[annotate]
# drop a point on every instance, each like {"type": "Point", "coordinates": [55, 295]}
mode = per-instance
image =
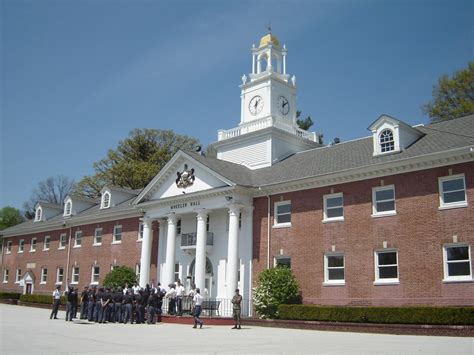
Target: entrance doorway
{"type": "Point", "coordinates": [207, 292]}
{"type": "Point", "coordinates": [29, 288]}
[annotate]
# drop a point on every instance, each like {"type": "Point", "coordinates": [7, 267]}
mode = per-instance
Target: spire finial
{"type": "Point", "coordinates": [269, 27]}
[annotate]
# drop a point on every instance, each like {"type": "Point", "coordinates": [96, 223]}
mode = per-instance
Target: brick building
{"type": "Point", "coordinates": [382, 220]}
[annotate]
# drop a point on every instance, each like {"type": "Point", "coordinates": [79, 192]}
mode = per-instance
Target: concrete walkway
{"type": "Point", "coordinates": [27, 330]}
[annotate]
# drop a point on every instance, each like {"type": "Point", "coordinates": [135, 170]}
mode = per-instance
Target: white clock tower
{"type": "Point", "coordinates": [267, 131]}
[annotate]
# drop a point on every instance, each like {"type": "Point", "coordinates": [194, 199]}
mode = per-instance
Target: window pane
{"type": "Point", "coordinates": [386, 206]}
{"type": "Point", "coordinates": [284, 209]}
{"type": "Point", "coordinates": [388, 272]}
{"type": "Point", "coordinates": [334, 202]}
{"type": "Point", "coordinates": [283, 262]}
{"type": "Point", "coordinates": [459, 269]}
{"type": "Point", "coordinates": [384, 195]}
{"type": "Point", "coordinates": [387, 258]}
{"type": "Point", "coordinates": [334, 212]}
{"type": "Point", "coordinates": [457, 196]}
{"type": "Point", "coordinates": [284, 219]}
{"type": "Point", "coordinates": [336, 274]}
{"type": "Point", "coordinates": [451, 185]}
{"type": "Point", "coordinates": [457, 253]}
{"type": "Point", "coordinates": [335, 261]}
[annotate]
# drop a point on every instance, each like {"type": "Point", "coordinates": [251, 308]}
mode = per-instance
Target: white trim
{"type": "Point", "coordinates": [94, 242]}
{"type": "Point", "coordinates": [276, 215]}
{"type": "Point", "coordinates": [33, 244]}
{"type": "Point", "coordinates": [67, 212]}
{"type": "Point", "coordinates": [103, 204]}
{"type": "Point", "coordinates": [9, 247]}
{"type": "Point", "coordinates": [57, 275]}
{"type": "Point", "coordinates": [375, 212]}
{"type": "Point", "coordinates": [22, 243]}
{"type": "Point", "coordinates": [325, 208]}
{"type": "Point", "coordinates": [465, 278]}
{"type": "Point", "coordinates": [327, 281]}
{"type": "Point", "coordinates": [72, 275]}
{"type": "Point", "coordinates": [6, 275]}
{"type": "Point", "coordinates": [140, 231]}
{"type": "Point", "coordinates": [38, 214]}
{"type": "Point", "coordinates": [385, 281]}
{"type": "Point", "coordinates": [448, 205]}
{"type": "Point", "coordinates": [17, 275]}
{"type": "Point", "coordinates": [77, 245]}
{"type": "Point", "coordinates": [114, 234]}
{"type": "Point", "coordinates": [93, 274]}
{"type": "Point", "coordinates": [43, 274]}
{"type": "Point", "coordinates": [44, 242]}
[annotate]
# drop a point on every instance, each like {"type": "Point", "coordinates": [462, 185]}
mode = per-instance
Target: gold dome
{"type": "Point", "coordinates": [269, 38]}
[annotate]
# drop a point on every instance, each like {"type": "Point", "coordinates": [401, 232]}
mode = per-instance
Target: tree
{"type": "Point", "coordinates": [52, 190]}
{"type": "Point", "coordinates": [136, 160]}
{"type": "Point", "coordinates": [9, 217]}
{"type": "Point", "coordinates": [452, 97]}
{"type": "Point", "coordinates": [305, 123]}
{"type": "Point", "coordinates": [120, 276]}
{"type": "Point", "coordinates": [274, 287]}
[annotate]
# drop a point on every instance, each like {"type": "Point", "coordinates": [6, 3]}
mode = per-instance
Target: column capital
{"type": "Point", "coordinates": [201, 214]}
{"type": "Point", "coordinates": [234, 209]}
{"type": "Point", "coordinates": [171, 218]}
{"type": "Point", "coordinates": [146, 220]}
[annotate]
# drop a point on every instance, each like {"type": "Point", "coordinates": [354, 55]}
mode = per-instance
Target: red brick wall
{"type": "Point", "coordinates": [418, 231]}
{"type": "Point", "coordinates": [127, 253]}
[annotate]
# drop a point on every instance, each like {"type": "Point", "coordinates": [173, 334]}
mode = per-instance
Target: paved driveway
{"type": "Point", "coordinates": [25, 330]}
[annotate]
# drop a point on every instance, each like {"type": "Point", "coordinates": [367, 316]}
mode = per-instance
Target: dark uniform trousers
{"type": "Point", "coordinates": [90, 311]}
{"type": "Point", "coordinates": [69, 310]}
{"type": "Point", "coordinates": [127, 314]}
{"type": "Point", "coordinates": [56, 304]}
{"type": "Point", "coordinates": [97, 308]}
{"type": "Point", "coordinates": [118, 312]}
{"type": "Point", "coordinates": [151, 315]}
{"type": "Point", "coordinates": [84, 306]}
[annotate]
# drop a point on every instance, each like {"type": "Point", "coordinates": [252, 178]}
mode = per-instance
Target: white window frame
{"type": "Point", "coordinates": [376, 213]}
{"type": "Point", "coordinates": [457, 204]}
{"type": "Point", "coordinates": [17, 275]}
{"type": "Point", "coordinates": [68, 208]}
{"type": "Point", "coordinates": [95, 277]}
{"type": "Point", "coordinates": [95, 243]}
{"type": "Point", "coordinates": [327, 281]}
{"type": "Point", "coordinates": [38, 214]}
{"type": "Point", "coordinates": [33, 245]}
{"type": "Point", "coordinates": [21, 243]}
{"type": "Point", "coordinates": [104, 204]}
{"type": "Point", "coordinates": [76, 244]}
{"type": "Point", "coordinates": [61, 236]}
{"type": "Point", "coordinates": [137, 270]}
{"type": "Point", "coordinates": [386, 281]}
{"type": "Point", "coordinates": [387, 142]}
{"type": "Point", "coordinates": [6, 274]}
{"type": "Point", "coordinates": [179, 226]}
{"type": "Point", "coordinates": [114, 235]}
{"type": "Point", "coordinates": [44, 275]}
{"type": "Point", "coordinates": [58, 275]}
{"type": "Point", "coordinates": [325, 210]}
{"type": "Point", "coordinates": [9, 247]}
{"type": "Point", "coordinates": [461, 278]}
{"type": "Point", "coordinates": [46, 242]}
{"type": "Point", "coordinates": [73, 275]}
{"type": "Point", "coordinates": [276, 215]}
{"type": "Point", "coordinates": [141, 227]}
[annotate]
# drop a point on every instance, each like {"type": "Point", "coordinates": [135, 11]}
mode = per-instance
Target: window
{"type": "Point", "coordinates": [333, 207]}
{"type": "Point", "coordinates": [33, 244]}
{"type": "Point", "coordinates": [106, 200]}
{"type": "Point", "coordinates": [176, 272]}
{"type": "Point", "coordinates": [457, 262]}
{"type": "Point", "coordinates": [383, 201]}
{"type": "Point", "coordinates": [387, 143]}
{"type": "Point", "coordinates": [137, 270]}
{"type": "Point", "coordinates": [59, 275]}
{"type": "Point", "coordinates": [9, 247]}
{"type": "Point", "coordinates": [452, 191]}
{"type": "Point", "coordinates": [44, 275]}
{"type": "Point", "coordinates": [113, 267]}
{"type": "Point", "coordinates": [334, 269]}
{"type": "Point", "coordinates": [18, 276]}
{"type": "Point", "coordinates": [141, 225]}
{"type": "Point", "coordinates": [95, 275]}
{"type": "Point", "coordinates": [386, 266]}
{"type": "Point", "coordinates": [208, 219]}
{"type": "Point", "coordinates": [98, 236]}
{"type": "Point", "coordinates": [78, 239]}
{"type": "Point", "coordinates": [282, 214]}
{"type": "Point", "coordinates": [62, 241]}
{"type": "Point", "coordinates": [47, 239]}
{"type": "Point", "coordinates": [5, 275]}
{"type": "Point", "coordinates": [117, 238]}
{"type": "Point", "coordinates": [21, 245]}
{"type": "Point", "coordinates": [68, 208]}
{"type": "Point", "coordinates": [178, 226]}
{"type": "Point", "coordinates": [75, 275]}
{"type": "Point", "coordinates": [240, 220]}
{"type": "Point", "coordinates": [38, 214]}
{"type": "Point", "coordinates": [283, 261]}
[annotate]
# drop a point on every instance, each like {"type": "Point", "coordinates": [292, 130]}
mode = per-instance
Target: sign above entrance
{"type": "Point", "coordinates": [185, 178]}
{"type": "Point", "coordinates": [185, 204]}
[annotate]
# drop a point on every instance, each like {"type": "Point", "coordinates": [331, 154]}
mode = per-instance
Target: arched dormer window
{"type": "Point", "coordinates": [387, 143]}
{"type": "Point", "coordinates": [106, 200]}
{"type": "Point", "coordinates": [39, 214]}
{"type": "Point", "coordinates": [68, 208]}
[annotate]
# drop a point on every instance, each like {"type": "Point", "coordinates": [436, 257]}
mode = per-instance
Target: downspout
{"type": "Point", "coordinates": [268, 232]}
{"type": "Point", "coordinates": [67, 261]}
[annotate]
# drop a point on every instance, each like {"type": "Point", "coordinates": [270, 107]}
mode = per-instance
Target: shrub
{"type": "Point", "coordinates": [44, 299]}
{"type": "Point", "coordinates": [274, 287]}
{"type": "Point", "coordinates": [120, 276]}
{"type": "Point", "coordinates": [10, 295]}
{"type": "Point", "coordinates": [388, 315]}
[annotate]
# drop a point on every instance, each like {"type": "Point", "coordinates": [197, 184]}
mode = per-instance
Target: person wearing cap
{"type": "Point", "coordinates": [70, 295]}
{"type": "Point", "coordinates": [84, 302]}
{"type": "Point", "coordinates": [236, 301]}
{"type": "Point", "coordinates": [197, 300]}
{"type": "Point", "coordinates": [56, 302]}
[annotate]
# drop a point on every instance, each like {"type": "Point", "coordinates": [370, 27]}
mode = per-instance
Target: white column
{"type": "Point", "coordinates": [145, 257]}
{"type": "Point", "coordinates": [159, 253]}
{"type": "Point", "coordinates": [200, 265]}
{"type": "Point", "coordinates": [253, 63]}
{"type": "Point", "coordinates": [259, 64]}
{"type": "Point", "coordinates": [170, 251]}
{"type": "Point", "coordinates": [269, 62]}
{"type": "Point", "coordinates": [284, 63]}
{"type": "Point", "coordinates": [233, 250]}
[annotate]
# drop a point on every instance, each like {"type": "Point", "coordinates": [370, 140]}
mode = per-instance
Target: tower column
{"type": "Point", "coordinates": [253, 63]}
{"type": "Point", "coordinates": [145, 256]}
{"type": "Point", "coordinates": [170, 251]}
{"type": "Point", "coordinates": [200, 265]}
{"type": "Point", "coordinates": [284, 63]}
{"type": "Point", "coordinates": [233, 251]}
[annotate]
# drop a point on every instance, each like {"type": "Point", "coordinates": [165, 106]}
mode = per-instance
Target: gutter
{"type": "Point", "coordinates": [67, 261]}
{"type": "Point", "coordinates": [268, 227]}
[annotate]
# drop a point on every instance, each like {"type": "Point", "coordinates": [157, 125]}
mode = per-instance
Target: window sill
{"type": "Point", "coordinates": [331, 220]}
{"type": "Point", "coordinates": [77, 246]}
{"type": "Point", "coordinates": [74, 283]}
{"type": "Point", "coordinates": [17, 282]}
{"type": "Point", "coordinates": [119, 242]}
{"type": "Point", "coordinates": [460, 280]}
{"type": "Point", "coordinates": [97, 244]}
{"type": "Point", "coordinates": [383, 283]}
{"type": "Point", "coordinates": [328, 283]}
{"type": "Point", "coordinates": [61, 248]}
{"type": "Point", "coordinates": [42, 283]}
{"type": "Point", "coordinates": [449, 207]}
{"type": "Point", "coordinates": [8, 252]}
{"type": "Point", "coordinates": [32, 251]}
{"type": "Point", "coordinates": [45, 249]}
{"type": "Point", "coordinates": [282, 225]}
{"type": "Point", "coordinates": [94, 283]}
{"type": "Point", "coordinates": [58, 283]}
{"type": "Point", "coordinates": [5, 282]}
{"type": "Point", "coordinates": [139, 240]}
{"type": "Point", "coordinates": [384, 214]}
{"type": "Point", "coordinates": [20, 252]}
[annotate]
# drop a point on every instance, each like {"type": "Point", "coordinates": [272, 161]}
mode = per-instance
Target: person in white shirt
{"type": "Point", "coordinates": [56, 302]}
{"type": "Point", "coordinates": [179, 297]}
{"type": "Point", "coordinates": [171, 295]}
{"type": "Point", "coordinates": [197, 300]}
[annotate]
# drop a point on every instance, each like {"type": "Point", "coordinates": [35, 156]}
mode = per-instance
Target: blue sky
{"type": "Point", "coordinates": [78, 75]}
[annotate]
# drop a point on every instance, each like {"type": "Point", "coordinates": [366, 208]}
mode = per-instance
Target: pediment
{"type": "Point", "coordinates": [182, 175]}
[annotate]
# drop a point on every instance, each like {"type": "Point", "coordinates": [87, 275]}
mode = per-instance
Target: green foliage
{"type": "Point", "coordinates": [274, 287]}
{"type": "Point", "coordinates": [304, 123]}
{"type": "Point", "coordinates": [388, 315]}
{"type": "Point", "coordinates": [9, 217]}
{"type": "Point", "coordinates": [44, 299]}
{"type": "Point", "coordinates": [10, 295]}
{"type": "Point", "coordinates": [136, 160]}
{"type": "Point", "coordinates": [452, 97]}
{"type": "Point", "coordinates": [120, 276]}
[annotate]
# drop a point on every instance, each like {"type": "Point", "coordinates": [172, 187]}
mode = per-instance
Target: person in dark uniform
{"type": "Point", "coordinates": [98, 304]}
{"type": "Point", "coordinates": [152, 307]}
{"type": "Point", "coordinates": [111, 306]}
{"type": "Point", "coordinates": [56, 302]}
{"type": "Point", "coordinates": [104, 302]}
{"type": "Point", "coordinates": [91, 299]}
{"type": "Point", "coordinates": [70, 296]}
{"type": "Point", "coordinates": [139, 307]}
{"type": "Point", "coordinates": [75, 302]}
{"type": "Point", "coordinates": [84, 302]}
{"type": "Point", "coordinates": [118, 298]}
{"type": "Point", "coordinates": [127, 305]}
{"type": "Point", "coordinates": [236, 301]}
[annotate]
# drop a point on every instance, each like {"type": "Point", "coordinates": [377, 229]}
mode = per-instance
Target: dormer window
{"type": "Point", "coordinates": [39, 214]}
{"type": "Point", "coordinates": [68, 208]}
{"type": "Point", "coordinates": [387, 143]}
{"type": "Point", "coordinates": [106, 200]}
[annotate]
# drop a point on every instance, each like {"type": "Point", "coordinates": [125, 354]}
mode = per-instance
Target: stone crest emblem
{"type": "Point", "coordinates": [185, 178]}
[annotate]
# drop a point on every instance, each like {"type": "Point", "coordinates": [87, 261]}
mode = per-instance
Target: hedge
{"type": "Point", "coordinates": [10, 295]}
{"type": "Point", "coordinates": [390, 315]}
{"type": "Point", "coordinates": [45, 299]}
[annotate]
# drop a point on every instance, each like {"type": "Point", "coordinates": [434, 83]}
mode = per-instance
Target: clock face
{"type": "Point", "coordinates": [256, 105]}
{"type": "Point", "coordinates": [283, 105]}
